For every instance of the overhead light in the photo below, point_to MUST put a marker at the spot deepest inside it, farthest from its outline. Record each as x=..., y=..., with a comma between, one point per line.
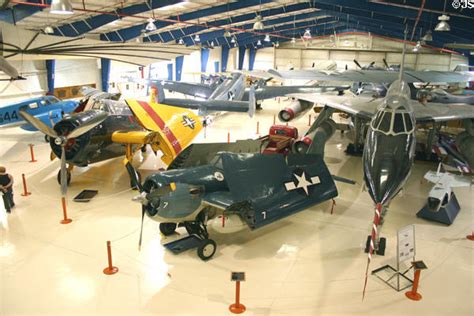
x=181, y=42
x=212, y=44
x=428, y=37
x=227, y=34
x=150, y=27
x=61, y=7
x=267, y=38
x=417, y=47
x=443, y=25
x=307, y=34
x=139, y=39
x=232, y=40
x=259, y=43
x=277, y=44
x=197, y=38
x=48, y=30
x=293, y=40
x=258, y=25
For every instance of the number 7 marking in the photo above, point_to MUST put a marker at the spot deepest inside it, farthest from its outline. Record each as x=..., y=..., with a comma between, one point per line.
x=264, y=214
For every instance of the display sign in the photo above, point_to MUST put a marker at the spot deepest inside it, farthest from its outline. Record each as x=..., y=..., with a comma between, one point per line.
x=237, y=276
x=406, y=243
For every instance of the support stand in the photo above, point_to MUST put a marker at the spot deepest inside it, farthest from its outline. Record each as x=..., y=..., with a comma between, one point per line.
x=446, y=214
x=65, y=220
x=25, y=190
x=237, y=307
x=32, y=153
x=110, y=269
x=471, y=236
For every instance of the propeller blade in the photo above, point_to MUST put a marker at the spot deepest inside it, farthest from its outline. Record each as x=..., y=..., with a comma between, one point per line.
x=386, y=64
x=45, y=129
x=63, y=172
x=141, y=228
x=96, y=120
x=133, y=176
x=357, y=63
x=371, y=64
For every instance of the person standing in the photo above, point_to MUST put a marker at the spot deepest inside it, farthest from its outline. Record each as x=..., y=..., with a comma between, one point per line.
x=6, y=186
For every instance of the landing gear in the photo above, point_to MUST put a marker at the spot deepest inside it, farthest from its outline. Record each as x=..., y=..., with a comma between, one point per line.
x=167, y=229
x=379, y=246
x=206, y=249
x=258, y=106
x=132, y=184
x=68, y=177
x=46, y=138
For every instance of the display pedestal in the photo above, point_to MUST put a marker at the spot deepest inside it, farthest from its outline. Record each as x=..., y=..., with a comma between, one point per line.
x=445, y=215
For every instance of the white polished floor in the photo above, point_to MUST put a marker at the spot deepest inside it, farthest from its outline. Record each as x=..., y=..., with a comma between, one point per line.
x=311, y=263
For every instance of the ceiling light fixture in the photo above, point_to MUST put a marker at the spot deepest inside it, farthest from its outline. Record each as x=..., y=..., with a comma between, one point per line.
x=258, y=25
x=259, y=43
x=227, y=34
x=232, y=40
x=443, y=25
x=307, y=34
x=212, y=44
x=267, y=38
x=197, y=38
x=181, y=42
x=61, y=7
x=150, y=27
x=417, y=47
x=428, y=37
x=48, y=30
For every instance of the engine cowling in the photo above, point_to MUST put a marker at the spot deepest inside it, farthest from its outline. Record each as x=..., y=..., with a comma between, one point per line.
x=294, y=110
x=316, y=138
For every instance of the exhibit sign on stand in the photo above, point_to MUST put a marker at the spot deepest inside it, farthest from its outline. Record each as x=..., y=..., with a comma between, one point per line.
x=406, y=251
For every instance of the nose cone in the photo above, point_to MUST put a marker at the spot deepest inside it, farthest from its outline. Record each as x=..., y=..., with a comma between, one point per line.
x=387, y=164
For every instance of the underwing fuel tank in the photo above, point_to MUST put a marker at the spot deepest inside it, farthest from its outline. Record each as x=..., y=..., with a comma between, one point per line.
x=294, y=110
x=226, y=224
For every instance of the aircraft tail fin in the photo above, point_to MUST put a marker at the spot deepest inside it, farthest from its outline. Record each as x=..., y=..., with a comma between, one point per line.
x=157, y=94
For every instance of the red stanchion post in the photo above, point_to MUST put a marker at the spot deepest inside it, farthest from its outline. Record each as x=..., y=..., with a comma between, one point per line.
x=258, y=128
x=413, y=293
x=32, y=153
x=228, y=137
x=65, y=220
x=25, y=190
x=110, y=269
x=471, y=236
x=237, y=307
x=309, y=120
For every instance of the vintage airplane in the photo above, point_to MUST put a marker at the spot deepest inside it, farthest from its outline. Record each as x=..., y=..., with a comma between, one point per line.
x=442, y=96
x=231, y=94
x=123, y=128
x=231, y=193
x=48, y=109
x=390, y=143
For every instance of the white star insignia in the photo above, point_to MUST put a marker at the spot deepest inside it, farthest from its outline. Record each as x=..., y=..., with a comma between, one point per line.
x=302, y=182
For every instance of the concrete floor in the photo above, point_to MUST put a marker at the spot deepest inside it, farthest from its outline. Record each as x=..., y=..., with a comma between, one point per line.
x=311, y=263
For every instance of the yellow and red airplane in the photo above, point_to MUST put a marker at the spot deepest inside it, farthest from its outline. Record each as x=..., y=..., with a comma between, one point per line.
x=108, y=129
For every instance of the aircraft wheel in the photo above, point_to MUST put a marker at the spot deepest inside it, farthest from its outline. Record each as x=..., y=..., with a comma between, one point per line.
x=46, y=138
x=367, y=245
x=68, y=177
x=381, y=248
x=139, y=176
x=167, y=229
x=206, y=249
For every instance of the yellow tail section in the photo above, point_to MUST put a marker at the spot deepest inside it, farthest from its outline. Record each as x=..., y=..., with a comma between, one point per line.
x=176, y=127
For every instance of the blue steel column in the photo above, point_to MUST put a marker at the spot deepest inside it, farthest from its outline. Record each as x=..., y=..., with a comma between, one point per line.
x=179, y=67
x=204, y=58
x=50, y=72
x=241, y=57
x=224, y=58
x=170, y=71
x=105, y=73
x=252, y=54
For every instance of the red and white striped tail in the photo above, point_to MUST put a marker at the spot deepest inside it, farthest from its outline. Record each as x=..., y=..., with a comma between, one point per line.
x=373, y=236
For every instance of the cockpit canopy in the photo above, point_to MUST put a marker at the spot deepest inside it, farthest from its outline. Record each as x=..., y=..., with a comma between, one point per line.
x=391, y=122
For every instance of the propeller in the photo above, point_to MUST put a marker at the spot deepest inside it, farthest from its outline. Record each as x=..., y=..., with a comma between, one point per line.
x=62, y=140
x=386, y=64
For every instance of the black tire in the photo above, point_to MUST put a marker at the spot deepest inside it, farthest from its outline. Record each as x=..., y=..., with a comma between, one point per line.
x=68, y=173
x=207, y=249
x=168, y=229
x=46, y=138
x=381, y=248
x=367, y=245
x=132, y=185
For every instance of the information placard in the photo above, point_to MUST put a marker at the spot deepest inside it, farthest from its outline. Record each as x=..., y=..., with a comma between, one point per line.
x=406, y=243
x=237, y=276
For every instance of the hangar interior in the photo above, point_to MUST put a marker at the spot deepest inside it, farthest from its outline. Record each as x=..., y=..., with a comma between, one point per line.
x=303, y=250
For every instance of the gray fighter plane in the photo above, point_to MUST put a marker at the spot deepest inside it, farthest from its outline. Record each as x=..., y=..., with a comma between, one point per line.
x=442, y=96
x=390, y=143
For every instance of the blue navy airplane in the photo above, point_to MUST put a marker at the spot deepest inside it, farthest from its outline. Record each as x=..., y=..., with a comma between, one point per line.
x=48, y=109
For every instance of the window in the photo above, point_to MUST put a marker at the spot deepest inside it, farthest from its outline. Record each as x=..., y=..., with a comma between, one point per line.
x=378, y=119
x=33, y=105
x=408, y=122
x=385, y=124
x=398, y=126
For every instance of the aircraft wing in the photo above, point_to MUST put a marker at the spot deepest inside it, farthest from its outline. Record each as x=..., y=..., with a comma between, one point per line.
x=361, y=106
x=175, y=127
x=266, y=188
x=219, y=199
x=199, y=90
x=447, y=179
x=376, y=76
x=440, y=112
